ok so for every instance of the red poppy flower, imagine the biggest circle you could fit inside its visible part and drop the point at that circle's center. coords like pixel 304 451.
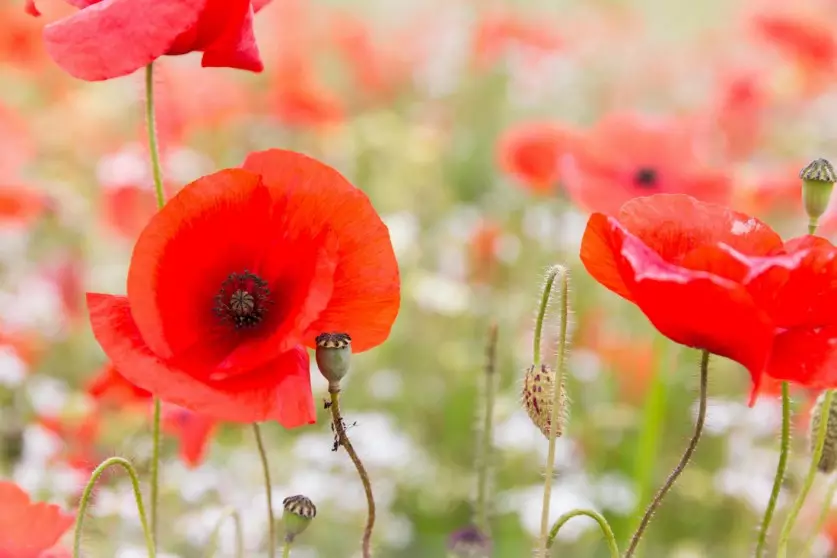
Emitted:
pixel 107 39
pixel 235 274
pixel 27 529
pixel 625 156
pixel 498 32
pixel 110 387
pixel 715 279
pixel 532 152
pixel 806 38
pixel 79 438
pixel 193 430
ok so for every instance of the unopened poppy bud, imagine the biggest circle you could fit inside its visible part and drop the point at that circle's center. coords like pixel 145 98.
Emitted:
pixel 818 180
pixel 539 397
pixel 469 542
pixel 299 511
pixel 828 459
pixel 334 354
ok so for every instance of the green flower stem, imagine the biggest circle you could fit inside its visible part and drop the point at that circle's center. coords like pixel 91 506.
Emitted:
pixel 545 296
pixel 271 528
pixel 784 537
pixel 784 450
pixel 154 151
pixel 603 525
pixel 286 550
pixel 684 460
pixel 488 420
pixel 85 503
pixel 818 526
pixel 556 395
pixel 233 514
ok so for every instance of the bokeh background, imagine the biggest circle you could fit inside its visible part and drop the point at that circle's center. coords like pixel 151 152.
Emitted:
pixel 457 117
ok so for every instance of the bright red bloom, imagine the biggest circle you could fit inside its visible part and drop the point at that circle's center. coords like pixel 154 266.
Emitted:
pixel 532 152
pixel 715 279
pixel 112 38
pixel 110 387
pixel 193 430
pixel 27 529
pixel 236 274
pixel 626 156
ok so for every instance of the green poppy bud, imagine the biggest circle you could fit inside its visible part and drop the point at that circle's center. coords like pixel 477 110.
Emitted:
pixel 828 459
pixel 334 355
pixel 539 396
pixel 818 180
pixel 299 511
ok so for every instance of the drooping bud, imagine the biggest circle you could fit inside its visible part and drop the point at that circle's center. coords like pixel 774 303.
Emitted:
pixel 334 355
pixel 469 542
pixel 818 180
pixel 299 511
pixel 828 459
pixel 539 396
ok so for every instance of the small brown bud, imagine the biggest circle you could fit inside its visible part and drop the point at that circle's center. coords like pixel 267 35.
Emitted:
pixel 299 511
pixel 538 398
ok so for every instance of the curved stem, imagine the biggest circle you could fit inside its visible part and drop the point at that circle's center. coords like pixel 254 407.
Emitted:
pixel 488 420
pixel 784 537
pixel 784 450
pixel 610 538
pixel 556 404
pixel 340 429
pixel 85 503
pixel 818 526
pixel 684 460
pixel 239 531
pixel 271 527
pixel 545 296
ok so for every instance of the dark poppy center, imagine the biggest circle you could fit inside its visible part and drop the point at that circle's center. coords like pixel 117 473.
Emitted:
pixel 243 300
pixel 646 178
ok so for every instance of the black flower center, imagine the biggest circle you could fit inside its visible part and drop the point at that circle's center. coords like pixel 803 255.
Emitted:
pixel 646 178
pixel 243 300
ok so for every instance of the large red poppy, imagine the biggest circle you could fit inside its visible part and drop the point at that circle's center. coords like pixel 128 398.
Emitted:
pixel 715 279
pixel 236 275
pixel 28 529
pixel 108 39
pixel 627 156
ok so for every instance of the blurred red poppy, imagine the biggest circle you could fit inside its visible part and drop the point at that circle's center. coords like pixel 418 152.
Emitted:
pixel 532 152
pixel 193 430
pixel 109 387
pixel 106 39
pixel 28 529
pixel 740 112
pixel 235 274
pixel 79 437
pixel 626 156
pixel 497 32
pixel 715 279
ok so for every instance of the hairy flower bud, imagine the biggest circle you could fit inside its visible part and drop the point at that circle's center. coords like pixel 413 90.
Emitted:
pixel 539 397
pixel 299 511
pixel 469 542
pixel 818 180
pixel 334 355
pixel 828 459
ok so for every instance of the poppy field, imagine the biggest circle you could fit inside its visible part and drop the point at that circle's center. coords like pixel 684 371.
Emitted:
pixel 344 279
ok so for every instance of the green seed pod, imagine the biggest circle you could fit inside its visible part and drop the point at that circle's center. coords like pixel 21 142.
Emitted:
pixel 818 180
pixel 538 398
pixel 334 355
pixel 299 511
pixel 828 459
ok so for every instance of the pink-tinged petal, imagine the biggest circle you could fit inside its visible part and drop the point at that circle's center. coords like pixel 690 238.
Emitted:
pixel 280 390
pixel 31 9
pixel 235 49
pixel 80 4
pixel 114 38
pixel 259 5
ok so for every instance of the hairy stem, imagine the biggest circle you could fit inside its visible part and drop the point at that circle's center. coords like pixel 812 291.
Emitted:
pixel 85 503
pixel 230 513
pixel 603 525
pixel 545 296
pixel 556 404
pixel 343 439
pixel 784 450
pixel 488 421
pixel 784 536
pixel 826 508
pixel 684 460
pixel 271 521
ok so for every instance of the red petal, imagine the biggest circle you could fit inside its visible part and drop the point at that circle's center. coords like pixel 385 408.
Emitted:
pixel 26 528
pixel 108 39
pixel 805 356
pixel 366 293
pixel 280 390
pixel 31 9
pixel 193 430
pixel 258 5
pixel 598 257
pixel 237 48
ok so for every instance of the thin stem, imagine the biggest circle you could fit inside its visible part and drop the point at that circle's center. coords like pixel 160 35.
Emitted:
pixel 545 296
pixel 239 531
pixel 784 537
pixel 271 527
pixel 556 404
pixel 85 502
pixel 343 439
pixel 826 508
pixel 488 421
pixel 610 538
pixel 784 450
pixel 812 225
pixel 684 460
pixel 155 468
pixel 286 550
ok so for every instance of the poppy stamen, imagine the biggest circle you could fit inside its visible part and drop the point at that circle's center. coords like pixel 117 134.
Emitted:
pixel 243 300
pixel 646 178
